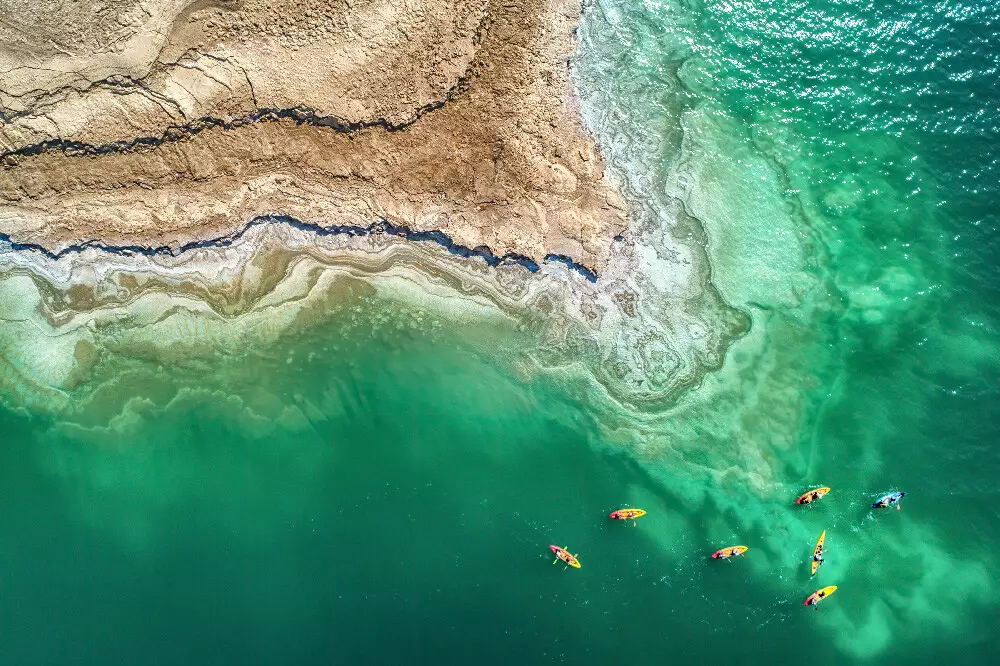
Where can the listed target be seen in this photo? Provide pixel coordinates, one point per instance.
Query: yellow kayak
(564, 555)
(729, 552)
(820, 595)
(817, 550)
(627, 514)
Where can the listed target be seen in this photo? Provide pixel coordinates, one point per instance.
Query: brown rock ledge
(141, 122)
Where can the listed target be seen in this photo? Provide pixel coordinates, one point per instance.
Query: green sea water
(381, 483)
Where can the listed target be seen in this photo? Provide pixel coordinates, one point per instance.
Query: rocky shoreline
(222, 229)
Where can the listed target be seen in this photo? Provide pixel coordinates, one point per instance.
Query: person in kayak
(814, 600)
(890, 500)
(818, 557)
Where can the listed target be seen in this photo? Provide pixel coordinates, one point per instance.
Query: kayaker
(818, 557)
(892, 499)
(736, 552)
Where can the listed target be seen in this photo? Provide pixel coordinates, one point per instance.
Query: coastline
(111, 303)
(379, 227)
(634, 308)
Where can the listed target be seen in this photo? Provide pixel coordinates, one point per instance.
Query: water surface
(381, 483)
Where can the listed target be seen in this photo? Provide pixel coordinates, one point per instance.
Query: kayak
(627, 514)
(563, 554)
(817, 550)
(729, 552)
(812, 496)
(820, 595)
(888, 500)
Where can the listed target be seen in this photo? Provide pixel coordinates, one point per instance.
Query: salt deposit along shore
(127, 150)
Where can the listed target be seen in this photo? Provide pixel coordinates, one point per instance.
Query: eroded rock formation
(156, 122)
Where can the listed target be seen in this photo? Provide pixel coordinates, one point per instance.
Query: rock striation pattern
(152, 122)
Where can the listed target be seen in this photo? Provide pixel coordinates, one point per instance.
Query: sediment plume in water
(829, 226)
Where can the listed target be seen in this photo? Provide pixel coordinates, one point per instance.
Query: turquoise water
(381, 483)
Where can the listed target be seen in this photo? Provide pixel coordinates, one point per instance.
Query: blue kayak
(888, 500)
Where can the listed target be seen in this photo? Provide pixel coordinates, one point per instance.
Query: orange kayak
(564, 555)
(729, 552)
(627, 514)
(812, 496)
(817, 550)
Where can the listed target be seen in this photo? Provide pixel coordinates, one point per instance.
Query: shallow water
(381, 482)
